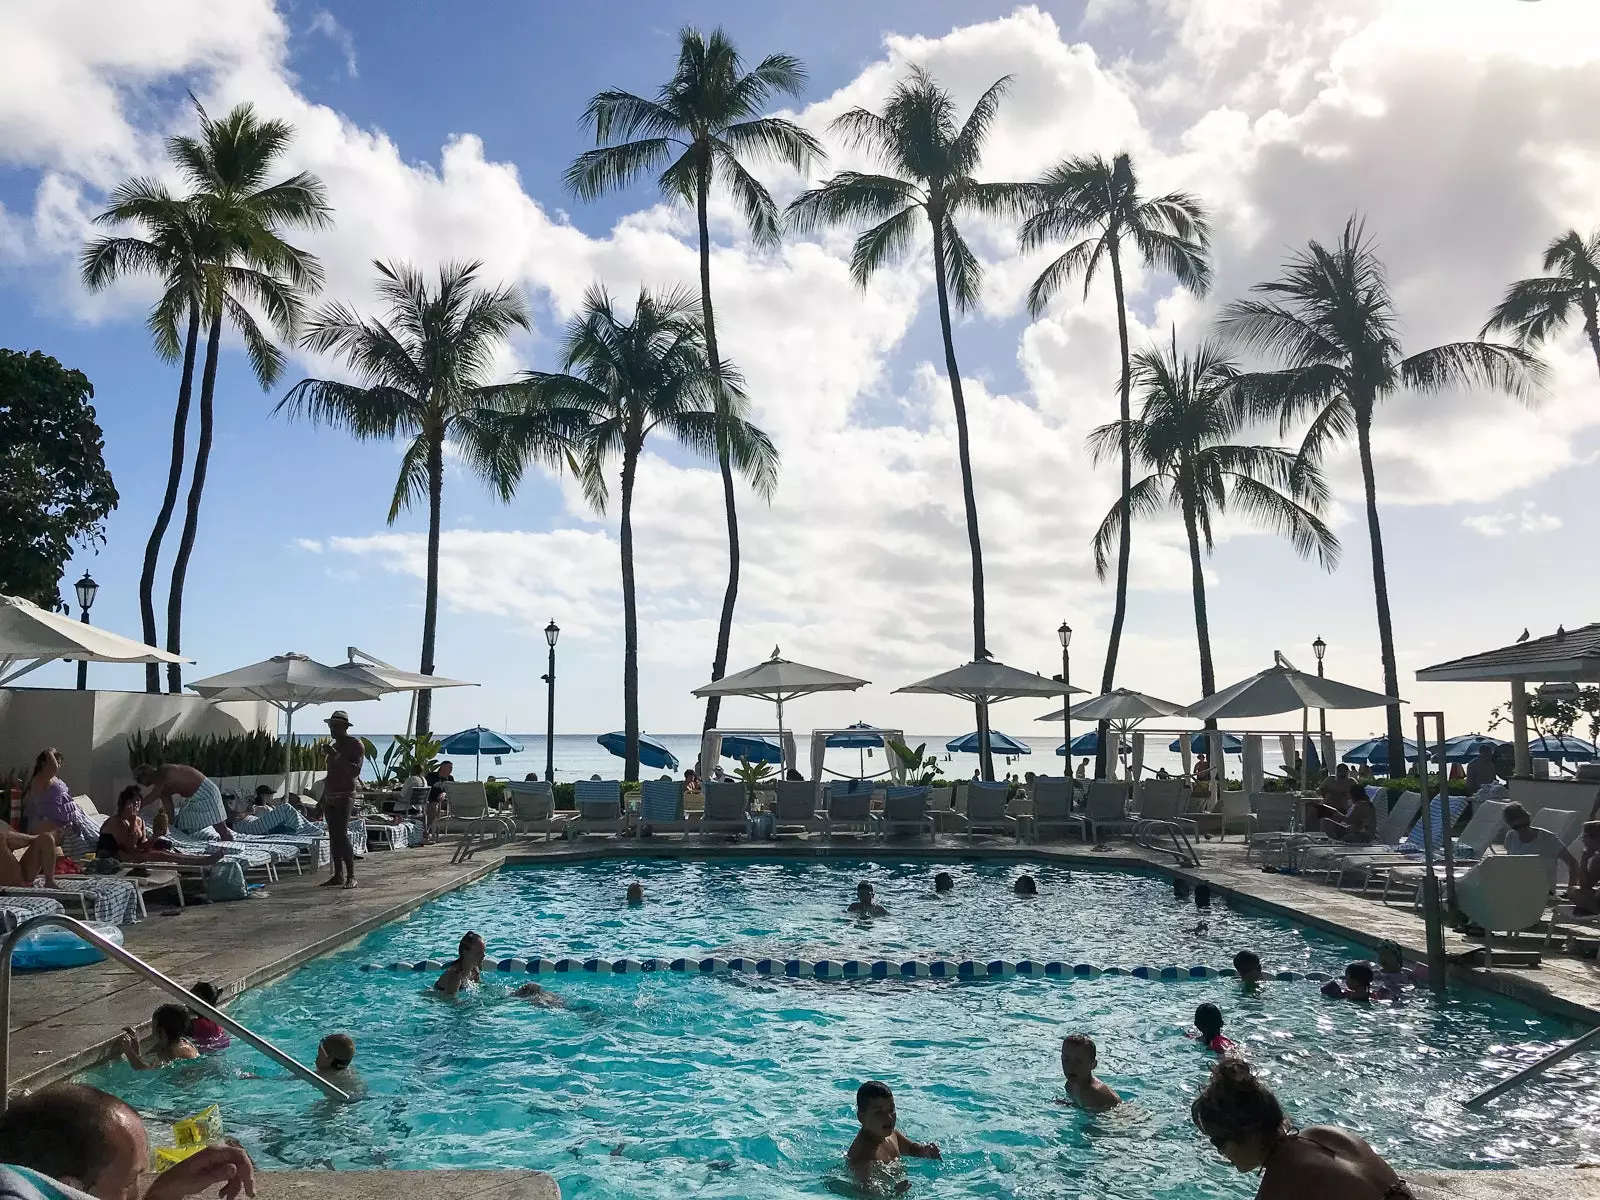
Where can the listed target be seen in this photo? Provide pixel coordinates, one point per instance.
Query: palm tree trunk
(730, 597)
(169, 499)
(1380, 589)
(1591, 324)
(1202, 624)
(191, 514)
(430, 600)
(1125, 540)
(980, 645)
(630, 622)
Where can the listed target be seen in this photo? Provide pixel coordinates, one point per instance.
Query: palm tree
(1096, 205)
(170, 250)
(1535, 309)
(634, 378)
(1189, 413)
(1331, 320)
(246, 262)
(423, 375)
(931, 159)
(695, 132)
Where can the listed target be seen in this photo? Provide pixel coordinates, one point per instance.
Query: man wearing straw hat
(345, 756)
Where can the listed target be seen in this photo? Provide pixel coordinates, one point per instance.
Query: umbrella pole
(1305, 761)
(288, 749)
(782, 755)
(985, 755)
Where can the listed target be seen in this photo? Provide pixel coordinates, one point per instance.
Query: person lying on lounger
(37, 860)
(467, 969)
(123, 837)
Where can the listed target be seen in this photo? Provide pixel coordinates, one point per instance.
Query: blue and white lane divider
(850, 968)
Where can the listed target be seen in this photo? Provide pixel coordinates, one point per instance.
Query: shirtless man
(202, 800)
(345, 756)
(1078, 1061)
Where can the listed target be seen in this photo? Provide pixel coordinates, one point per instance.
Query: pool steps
(850, 968)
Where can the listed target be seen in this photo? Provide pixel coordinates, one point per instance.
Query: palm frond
(851, 196)
(774, 139)
(616, 115)
(594, 173)
(411, 485)
(1278, 513)
(266, 360)
(1533, 310)
(1145, 499)
(1509, 369)
(1081, 259)
(760, 213)
(962, 268)
(967, 149)
(883, 243)
(366, 413)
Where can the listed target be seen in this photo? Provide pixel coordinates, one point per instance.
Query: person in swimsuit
(1208, 1030)
(50, 809)
(203, 800)
(51, 822)
(123, 837)
(345, 757)
(1026, 885)
(866, 902)
(208, 1036)
(1245, 1122)
(1247, 966)
(1078, 1061)
(467, 968)
(880, 1140)
(170, 1023)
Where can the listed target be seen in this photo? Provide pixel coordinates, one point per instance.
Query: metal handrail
(474, 840)
(1182, 848)
(139, 967)
(1533, 1069)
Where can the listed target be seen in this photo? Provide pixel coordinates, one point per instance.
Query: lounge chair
(1312, 854)
(599, 809)
(942, 807)
(468, 803)
(1505, 893)
(661, 808)
(1473, 842)
(1105, 810)
(905, 811)
(1052, 809)
(1159, 799)
(794, 808)
(533, 807)
(1274, 816)
(14, 910)
(1430, 826)
(848, 811)
(727, 809)
(986, 811)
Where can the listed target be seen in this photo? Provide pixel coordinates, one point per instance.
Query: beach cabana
(860, 737)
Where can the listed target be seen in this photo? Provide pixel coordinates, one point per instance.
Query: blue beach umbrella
(860, 737)
(999, 743)
(1087, 745)
(477, 742)
(1464, 747)
(651, 752)
(1563, 747)
(757, 750)
(1198, 744)
(1375, 752)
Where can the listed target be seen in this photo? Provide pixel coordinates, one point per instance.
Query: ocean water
(662, 1084)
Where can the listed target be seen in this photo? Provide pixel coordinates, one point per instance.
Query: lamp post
(86, 589)
(1319, 648)
(1065, 634)
(551, 632)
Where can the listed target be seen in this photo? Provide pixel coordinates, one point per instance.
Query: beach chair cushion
(726, 803)
(114, 901)
(1052, 798)
(661, 800)
(849, 808)
(16, 909)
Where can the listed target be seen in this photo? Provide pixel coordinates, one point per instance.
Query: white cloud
(1525, 519)
(325, 23)
(309, 545)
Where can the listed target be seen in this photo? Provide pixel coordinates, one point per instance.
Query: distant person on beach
(467, 969)
(202, 807)
(1083, 769)
(1241, 1117)
(1078, 1061)
(1482, 771)
(1208, 1029)
(170, 1024)
(880, 1140)
(1247, 966)
(345, 756)
(866, 902)
(944, 882)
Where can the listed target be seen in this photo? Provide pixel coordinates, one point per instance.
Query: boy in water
(466, 969)
(866, 902)
(1392, 975)
(944, 882)
(879, 1141)
(1247, 965)
(635, 894)
(1026, 885)
(205, 1033)
(1208, 1029)
(1078, 1061)
(539, 995)
(1357, 984)
(335, 1053)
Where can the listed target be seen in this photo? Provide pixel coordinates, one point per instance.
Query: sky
(1462, 132)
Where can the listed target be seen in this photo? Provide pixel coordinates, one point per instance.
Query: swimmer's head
(207, 992)
(1180, 887)
(1078, 1056)
(528, 991)
(1202, 895)
(336, 1052)
(875, 1109)
(636, 892)
(1247, 963)
(944, 882)
(1239, 1114)
(1389, 956)
(170, 1023)
(864, 892)
(1358, 979)
(1208, 1020)
(1025, 885)
(470, 949)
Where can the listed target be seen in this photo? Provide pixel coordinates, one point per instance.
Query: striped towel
(284, 818)
(203, 810)
(597, 791)
(114, 901)
(250, 856)
(660, 800)
(14, 910)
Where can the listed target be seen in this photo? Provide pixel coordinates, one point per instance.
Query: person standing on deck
(345, 756)
(202, 807)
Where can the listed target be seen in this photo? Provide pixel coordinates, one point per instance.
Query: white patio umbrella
(1122, 704)
(290, 682)
(394, 679)
(779, 680)
(34, 636)
(984, 682)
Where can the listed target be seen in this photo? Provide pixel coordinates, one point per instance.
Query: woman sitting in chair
(123, 837)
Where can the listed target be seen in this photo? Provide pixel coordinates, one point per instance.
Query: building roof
(1565, 655)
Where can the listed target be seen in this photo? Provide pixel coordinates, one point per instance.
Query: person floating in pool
(539, 995)
(1078, 1061)
(1357, 985)
(866, 902)
(1026, 885)
(1208, 1030)
(1241, 1117)
(880, 1141)
(467, 969)
(944, 882)
(208, 1037)
(170, 1023)
(635, 894)
(1392, 975)
(1247, 966)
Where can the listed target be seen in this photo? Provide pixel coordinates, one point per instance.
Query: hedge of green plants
(223, 756)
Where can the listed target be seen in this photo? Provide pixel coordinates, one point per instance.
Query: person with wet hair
(467, 967)
(1026, 885)
(1241, 1117)
(944, 882)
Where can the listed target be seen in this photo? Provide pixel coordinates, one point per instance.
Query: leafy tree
(1539, 308)
(930, 158)
(1097, 206)
(703, 121)
(634, 377)
(1331, 320)
(1183, 434)
(423, 375)
(55, 491)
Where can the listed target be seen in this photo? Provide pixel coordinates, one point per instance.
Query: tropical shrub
(223, 756)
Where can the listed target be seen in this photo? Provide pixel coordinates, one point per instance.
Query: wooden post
(1523, 762)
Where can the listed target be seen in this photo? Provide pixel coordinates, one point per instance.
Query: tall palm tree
(171, 250)
(930, 158)
(1538, 308)
(1097, 206)
(635, 377)
(247, 262)
(1331, 320)
(423, 375)
(1189, 414)
(703, 121)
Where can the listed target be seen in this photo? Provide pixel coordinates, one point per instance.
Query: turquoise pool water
(660, 1084)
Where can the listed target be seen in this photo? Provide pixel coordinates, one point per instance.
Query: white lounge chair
(1275, 814)
(905, 811)
(727, 809)
(1505, 893)
(794, 808)
(600, 811)
(1392, 829)
(533, 808)
(986, 811)
(1105, 810)
(1473, 842)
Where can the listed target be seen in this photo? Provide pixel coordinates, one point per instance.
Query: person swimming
(944, 882)
(866, 902)
(880, 1140)
(1247, 965)
(335, 1053)
(170, 1024)
(467, 968)
(635, 894)
(1208, 1030)
(539, 995)
(1026, 885)
(1357, 985)
(208, 1037)
(1180, 888)
(1078, 1061)
(1392, 975)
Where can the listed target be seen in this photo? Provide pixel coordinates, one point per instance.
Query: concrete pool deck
(64, 1022)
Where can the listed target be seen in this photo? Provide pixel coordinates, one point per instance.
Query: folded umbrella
(651, 752)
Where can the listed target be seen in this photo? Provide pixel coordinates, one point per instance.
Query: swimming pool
(651, 1085)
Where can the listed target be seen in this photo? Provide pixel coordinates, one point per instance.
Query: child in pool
(1026, 885)
(1208, 1030)
(879, 1140)
(1247, 965)
(208, 1037)
(170, 1023)
(1078, 1060)
(335, 1053)
(539, 995)
(466, 969)
(1357, 985)
(866, 902)
(635, 894)
(1392, 975)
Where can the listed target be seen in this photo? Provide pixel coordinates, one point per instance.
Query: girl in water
(467, 968)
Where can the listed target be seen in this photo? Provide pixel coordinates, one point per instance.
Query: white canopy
(1121, 704)
(778, 680)
(711, 747)
(396, 680)
(1281, 689)
(819, 748)
(35, 636)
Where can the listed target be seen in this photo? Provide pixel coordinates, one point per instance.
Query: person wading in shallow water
(345, 757)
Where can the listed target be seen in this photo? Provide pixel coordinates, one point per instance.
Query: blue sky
(442, 138)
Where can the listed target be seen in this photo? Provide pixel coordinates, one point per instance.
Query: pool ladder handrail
(139, 967)
(1146, 833)
(503, 828)
(1534, 1069)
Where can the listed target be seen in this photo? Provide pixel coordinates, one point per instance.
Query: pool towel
(203, 810)
(114, 901)
(14, 910)
(283, 818)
